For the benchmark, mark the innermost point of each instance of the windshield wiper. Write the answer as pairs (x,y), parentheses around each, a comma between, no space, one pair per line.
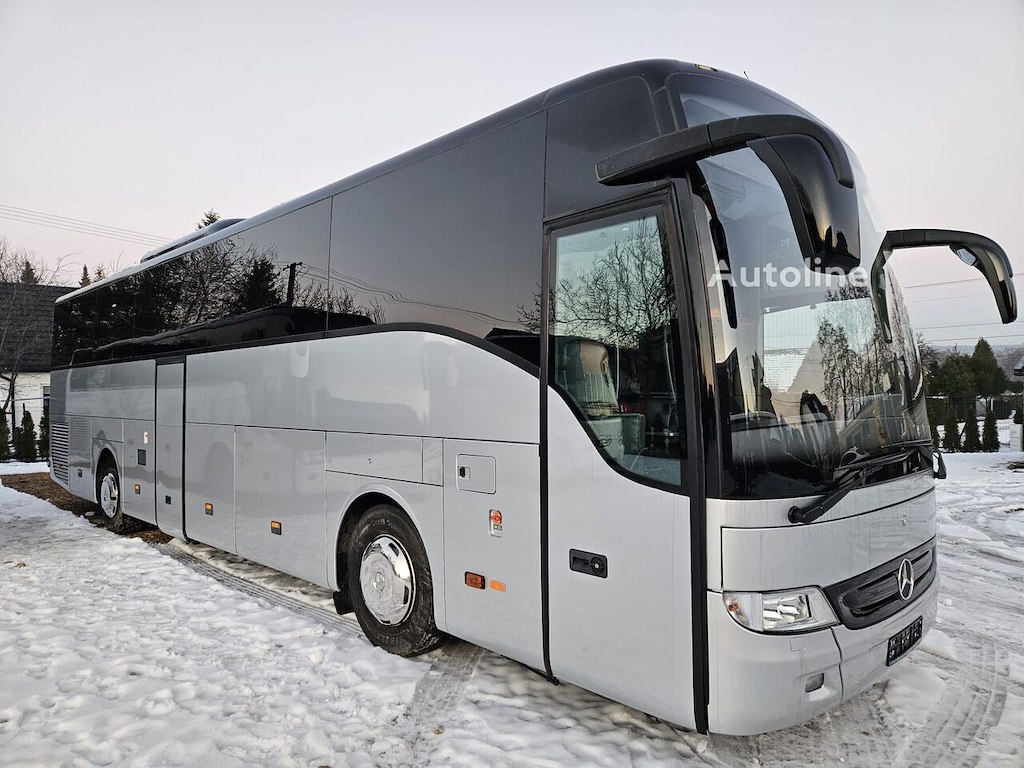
(857,473)
(938,463)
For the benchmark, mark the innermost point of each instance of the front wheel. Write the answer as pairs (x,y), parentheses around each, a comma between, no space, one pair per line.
(390,583)
(108,491)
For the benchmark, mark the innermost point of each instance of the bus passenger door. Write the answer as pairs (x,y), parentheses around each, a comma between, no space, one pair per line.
(170,447)
(618,522)
(491,552)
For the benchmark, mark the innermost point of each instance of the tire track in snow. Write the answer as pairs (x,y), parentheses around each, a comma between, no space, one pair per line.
(345,624)
(437,693)
(970,707)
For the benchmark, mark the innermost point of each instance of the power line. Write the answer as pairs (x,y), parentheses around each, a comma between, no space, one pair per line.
(942,282)
(948,298)
(97,229)
(82,230)
(956,325)
(146,243)
(69,219)
(1002,336)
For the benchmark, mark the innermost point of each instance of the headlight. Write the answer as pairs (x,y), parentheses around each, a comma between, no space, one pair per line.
(792,611)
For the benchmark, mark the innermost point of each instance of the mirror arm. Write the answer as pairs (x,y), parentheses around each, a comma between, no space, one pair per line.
(647,161)
(990,259)
(877,278)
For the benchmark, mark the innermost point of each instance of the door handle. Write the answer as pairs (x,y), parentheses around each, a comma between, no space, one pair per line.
(589,563)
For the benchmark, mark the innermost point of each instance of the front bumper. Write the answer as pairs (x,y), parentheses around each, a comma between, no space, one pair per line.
(758,682)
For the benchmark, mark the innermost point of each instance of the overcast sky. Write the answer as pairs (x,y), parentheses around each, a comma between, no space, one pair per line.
(141,116)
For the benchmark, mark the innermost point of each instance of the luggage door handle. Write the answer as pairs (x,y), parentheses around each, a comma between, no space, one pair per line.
(589,563)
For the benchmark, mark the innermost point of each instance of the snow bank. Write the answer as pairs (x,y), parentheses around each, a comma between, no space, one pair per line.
(113,653)
(23,467)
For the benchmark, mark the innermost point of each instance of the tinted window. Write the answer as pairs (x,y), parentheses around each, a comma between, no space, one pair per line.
(705,98)
(265,282)
(453,240)
(74,330)
(615,342)
(114,307)
(586,129)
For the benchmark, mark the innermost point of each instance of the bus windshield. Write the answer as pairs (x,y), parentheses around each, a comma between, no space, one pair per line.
(806,380)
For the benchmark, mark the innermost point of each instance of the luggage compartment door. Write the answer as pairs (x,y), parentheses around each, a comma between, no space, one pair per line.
(170,448)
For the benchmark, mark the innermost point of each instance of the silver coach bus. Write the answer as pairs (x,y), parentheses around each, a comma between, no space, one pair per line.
(615,382)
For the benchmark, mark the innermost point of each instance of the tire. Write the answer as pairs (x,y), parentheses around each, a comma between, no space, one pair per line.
(390,584)
(108,492)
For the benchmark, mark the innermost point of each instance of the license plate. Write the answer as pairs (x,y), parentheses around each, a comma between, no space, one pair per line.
(903,641)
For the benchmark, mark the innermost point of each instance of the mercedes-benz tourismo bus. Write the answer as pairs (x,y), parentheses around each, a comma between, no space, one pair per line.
(615,382)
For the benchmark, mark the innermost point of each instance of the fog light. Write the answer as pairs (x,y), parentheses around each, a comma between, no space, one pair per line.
(814,682)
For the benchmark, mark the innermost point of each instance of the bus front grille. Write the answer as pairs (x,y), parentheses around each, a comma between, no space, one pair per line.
(871,597)
(59,435)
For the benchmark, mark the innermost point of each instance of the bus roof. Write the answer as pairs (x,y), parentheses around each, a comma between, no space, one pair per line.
(653,71)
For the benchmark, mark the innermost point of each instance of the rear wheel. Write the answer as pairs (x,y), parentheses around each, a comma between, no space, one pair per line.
(108,491)
(390,583)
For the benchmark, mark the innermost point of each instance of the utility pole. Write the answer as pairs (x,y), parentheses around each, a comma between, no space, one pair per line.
(1019,371)
(291,282)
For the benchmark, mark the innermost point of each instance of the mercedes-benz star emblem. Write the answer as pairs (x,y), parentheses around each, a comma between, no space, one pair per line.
(905,579)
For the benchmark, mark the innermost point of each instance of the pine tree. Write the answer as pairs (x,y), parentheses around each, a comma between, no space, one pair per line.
(86,280)
(209,218)
(990,435)
(25,439)
(44,435)
(98,274)
(28,274)
(951,436)
(972,439)
(5,436)
(990,379)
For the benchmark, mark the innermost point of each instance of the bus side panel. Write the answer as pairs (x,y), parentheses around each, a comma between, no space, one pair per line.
(280,478)
(170,446)
(420,501)
(413,383)
(59,428)
(58,393)
(138,485)
(210,484)
(625,634)
(115,390)
(492,529)
(103,394)
(107,436)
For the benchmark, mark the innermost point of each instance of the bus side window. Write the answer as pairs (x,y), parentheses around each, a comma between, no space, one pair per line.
(615,341)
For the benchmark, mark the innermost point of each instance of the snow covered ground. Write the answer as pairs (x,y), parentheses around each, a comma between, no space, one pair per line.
(117,652)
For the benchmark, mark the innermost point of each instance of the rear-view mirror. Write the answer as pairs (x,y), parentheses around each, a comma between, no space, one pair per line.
(810,163)
(978,251)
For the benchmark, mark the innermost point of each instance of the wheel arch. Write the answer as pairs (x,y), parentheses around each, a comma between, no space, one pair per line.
(355,506)
(356,509)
